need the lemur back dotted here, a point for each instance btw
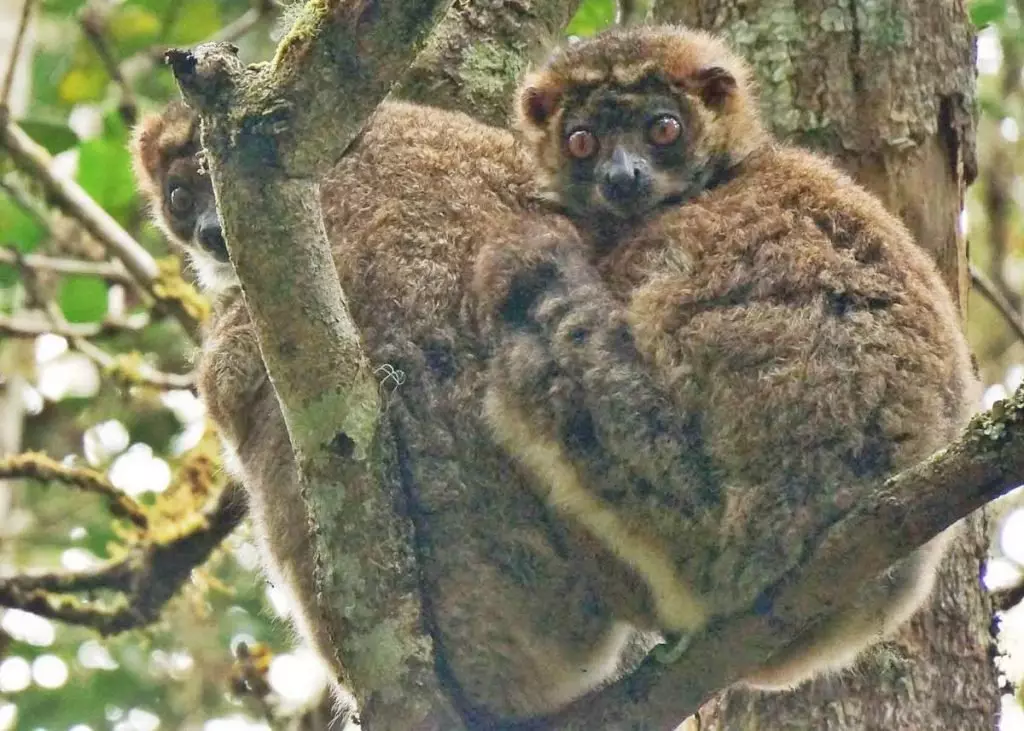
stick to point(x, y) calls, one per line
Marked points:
point(813, 344)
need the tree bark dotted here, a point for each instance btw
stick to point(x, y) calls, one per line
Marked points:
point(887, 90)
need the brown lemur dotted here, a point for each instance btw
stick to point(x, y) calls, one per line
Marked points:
point(808, 342)
point(529, 611)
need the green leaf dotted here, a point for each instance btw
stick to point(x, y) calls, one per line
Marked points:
point(986, 12)
point(105, 172)
point(54, 136)
point(591, 17)
point(83, 84)
point(18, 231)
point(17, 228)
point(83, 298)
point(195, 20)
point(66, 8)
point(47, 66)
point(133, 29)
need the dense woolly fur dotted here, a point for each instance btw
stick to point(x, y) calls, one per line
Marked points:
point(815, 345)
point(517, 604)
point(596, 440)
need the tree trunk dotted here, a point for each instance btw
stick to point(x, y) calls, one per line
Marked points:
point(887, 89)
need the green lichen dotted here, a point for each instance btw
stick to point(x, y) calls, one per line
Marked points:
point(882, 24)
point(171, 288)
point(305, 27)
point(353, 411)
point(490, 72)
point(378, 658)
point(766, 39)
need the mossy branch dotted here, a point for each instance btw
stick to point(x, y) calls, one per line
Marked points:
point(269, 130)
point(144, 579)
point(36, 466)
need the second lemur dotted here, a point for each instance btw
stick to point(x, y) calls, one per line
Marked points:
point(810, 342)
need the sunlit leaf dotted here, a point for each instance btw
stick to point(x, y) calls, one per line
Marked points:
point(82, 85)
point(83, 298)
point(104, 171)
point(985, 12)
point(592, 16)
point(195, 20)
point(54, 136)
point(133, 28)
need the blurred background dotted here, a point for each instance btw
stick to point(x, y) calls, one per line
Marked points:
point(91, 378)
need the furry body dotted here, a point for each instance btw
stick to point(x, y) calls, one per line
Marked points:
point(808, 344)
point(522, 620)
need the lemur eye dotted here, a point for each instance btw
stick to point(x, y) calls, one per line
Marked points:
point(181, 201)
point(581, 144)
point(664, 130)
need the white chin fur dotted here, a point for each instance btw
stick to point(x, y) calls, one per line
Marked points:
point(215, 277)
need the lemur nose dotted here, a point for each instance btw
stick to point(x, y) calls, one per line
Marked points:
point(623, 176)
point(211, 236)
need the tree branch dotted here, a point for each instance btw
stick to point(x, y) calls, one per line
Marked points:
point(476, 57)
point(147, 577)
point(27, 325)
point(40, 467)
point(988, 289)
point(15, 55)
point(111, 271)
point(300, 113)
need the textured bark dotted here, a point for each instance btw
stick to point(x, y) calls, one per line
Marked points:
point(475, 58)
point(887, 89)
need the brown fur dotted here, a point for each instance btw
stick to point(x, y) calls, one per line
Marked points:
point(516, 598)
point(812, 345)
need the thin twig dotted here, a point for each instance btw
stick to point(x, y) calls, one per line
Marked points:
point(20, 197)
point(112, 271)
point(30, 324)
point(40, 467)
point(149, 575)
point(1003, 601)
point(32, 159)
point(244, 23)
point(94, 27)
point(128, 368)
point(19, 39)
point(132, 369)
point(987, 289)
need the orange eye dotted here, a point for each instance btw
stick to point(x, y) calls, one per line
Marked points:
point(581, 144)
point(664, 131)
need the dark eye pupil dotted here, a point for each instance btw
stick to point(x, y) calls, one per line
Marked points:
point(181, 200)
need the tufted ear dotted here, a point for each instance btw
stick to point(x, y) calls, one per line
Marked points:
point(714, 85)
point(539, 96)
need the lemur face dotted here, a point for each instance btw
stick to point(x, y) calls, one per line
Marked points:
point(167, 155)
point(625, 153)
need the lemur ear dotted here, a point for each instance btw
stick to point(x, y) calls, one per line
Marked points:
point(539, 96)
point(714, 85)
point(145, 149)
